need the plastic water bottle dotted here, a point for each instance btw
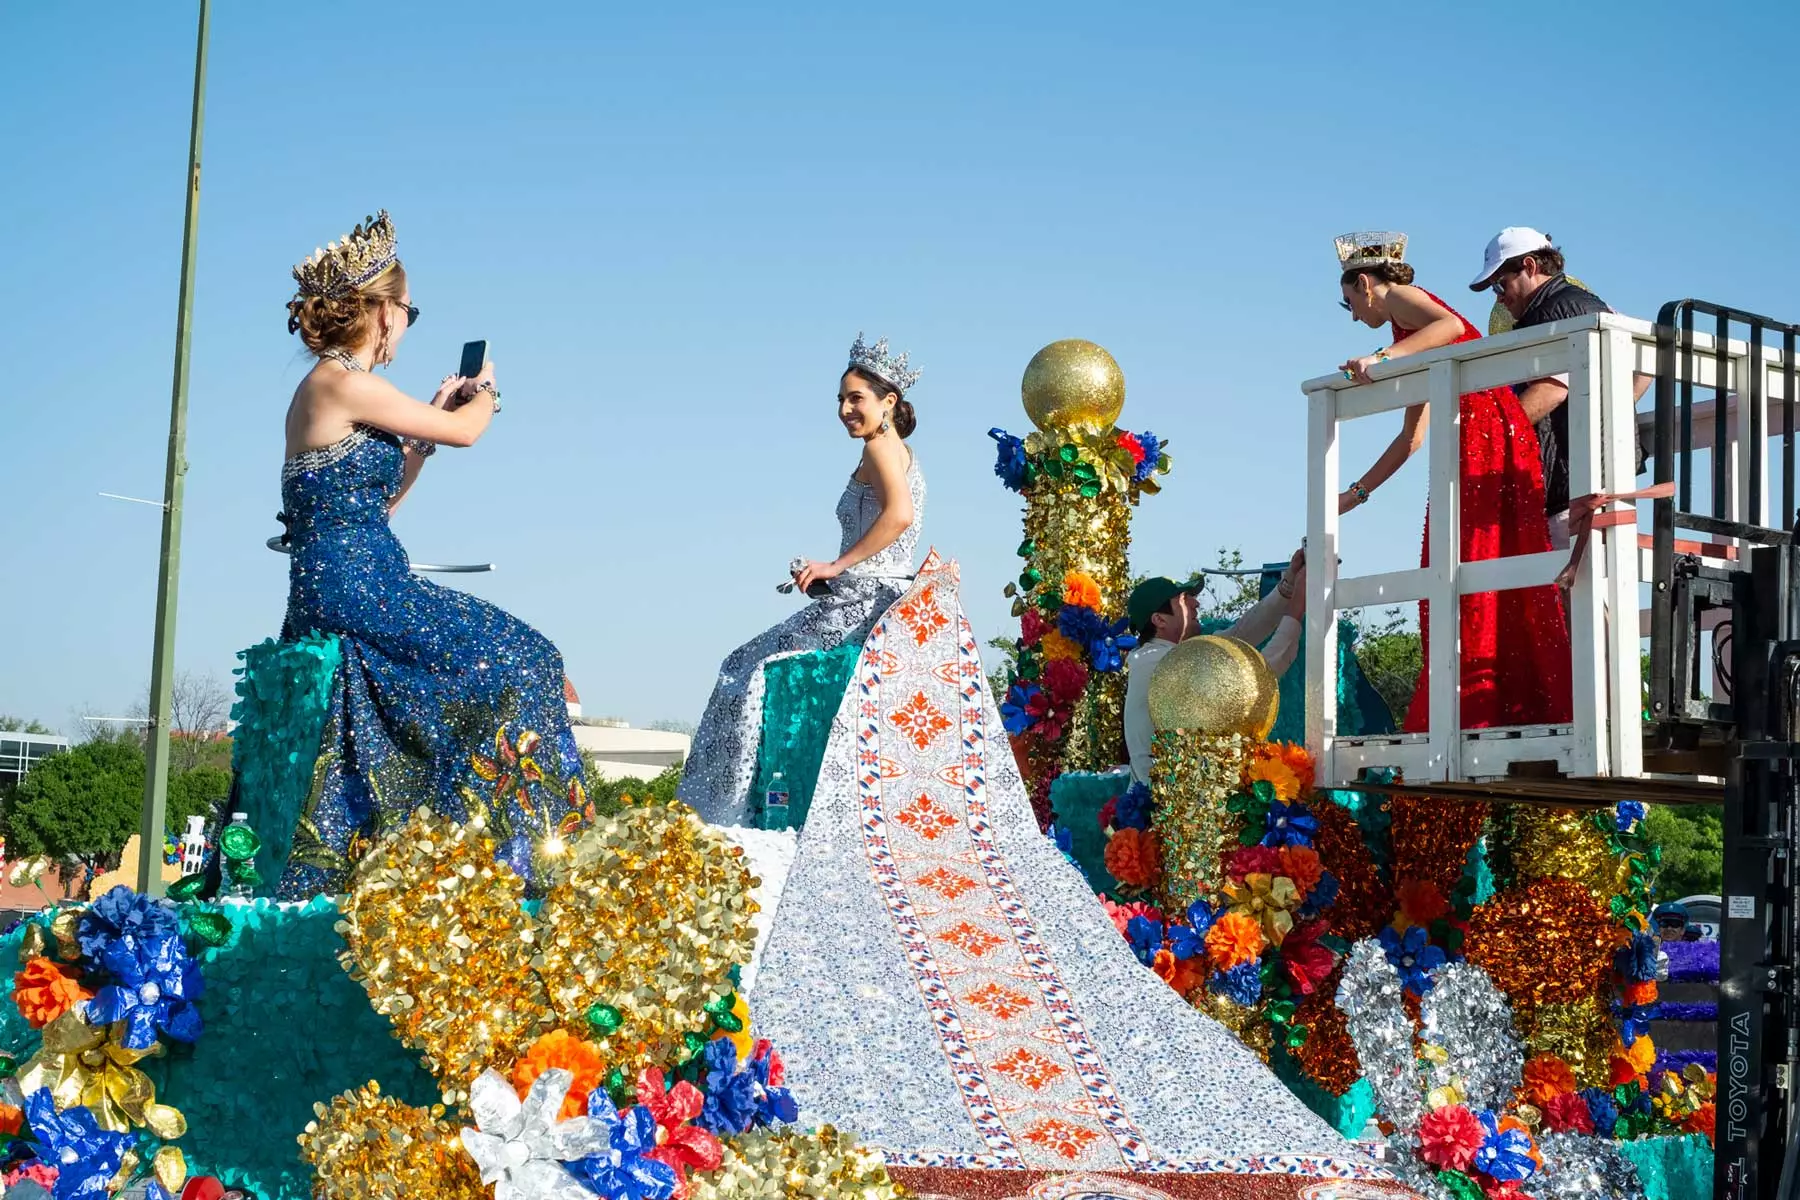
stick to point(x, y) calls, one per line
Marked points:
point(775, 804)
point(1372, 1141)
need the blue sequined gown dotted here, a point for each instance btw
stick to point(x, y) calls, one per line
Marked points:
point(442, 699)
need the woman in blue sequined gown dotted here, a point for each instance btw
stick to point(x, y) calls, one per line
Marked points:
point(879, 516)
point(441, 699)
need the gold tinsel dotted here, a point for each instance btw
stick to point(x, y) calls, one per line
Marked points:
point(1247, 1023)
point(1192, 775)
point(366, 1146)
point(650, 916)
point(1545, 942)
point(1564, 843)
point(787, 1164)
point(436, 935)
point(1581, 1034)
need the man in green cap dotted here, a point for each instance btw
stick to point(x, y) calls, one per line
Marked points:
point(1164, 613)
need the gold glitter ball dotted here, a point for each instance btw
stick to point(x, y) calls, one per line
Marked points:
point(1073, 384)
point(1214, 684)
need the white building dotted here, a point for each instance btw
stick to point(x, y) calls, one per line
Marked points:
point(620, 752)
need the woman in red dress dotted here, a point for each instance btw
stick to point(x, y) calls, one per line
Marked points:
point(1515, 644)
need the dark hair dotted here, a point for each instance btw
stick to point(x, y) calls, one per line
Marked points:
point(1387, 272)
point(905, 420)
point(344, 321)
point(1549, 261)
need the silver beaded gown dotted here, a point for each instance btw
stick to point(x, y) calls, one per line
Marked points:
point(940, 979)
point(721, 766)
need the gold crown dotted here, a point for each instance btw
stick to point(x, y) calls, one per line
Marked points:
point(1370, 249)
point(341, 268)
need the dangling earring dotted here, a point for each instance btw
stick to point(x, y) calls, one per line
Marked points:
point(382, 357)
point(886, 424)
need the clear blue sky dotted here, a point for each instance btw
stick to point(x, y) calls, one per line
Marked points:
point(670, 220)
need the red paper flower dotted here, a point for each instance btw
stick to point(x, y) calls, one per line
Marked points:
point(1567, 1113)
point(1108, 811)
point(1503, 1189)
point(1254, 860)
point(1421, 902)
point(1063, 680)
point(678, 1144)
point(1031, 627)
point(1129, 443)
point(1449, 1137)
point(1121, 914)
point(1307, 963)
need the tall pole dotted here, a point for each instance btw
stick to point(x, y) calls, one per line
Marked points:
point(162, 661)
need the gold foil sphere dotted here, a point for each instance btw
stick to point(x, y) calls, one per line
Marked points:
point(1073, 384)
point(1215, 685)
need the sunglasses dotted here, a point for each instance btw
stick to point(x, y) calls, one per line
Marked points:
point(412, 314)
point(1345, 305)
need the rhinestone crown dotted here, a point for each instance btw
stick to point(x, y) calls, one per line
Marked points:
point(342, 267)
point(891, 369)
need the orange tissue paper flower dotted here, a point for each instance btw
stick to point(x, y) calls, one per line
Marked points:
point(1701, 1120)
point(1642, 1055)
point(1182, 974)
point(45, 991)
point(560, 1048)
point(1546, 1077)
point(1299, 762)
point(1301, 864)
point(1080, 588)
point(1134, 857)
point(1642, 992)
point(1268, 765)
point(1235, 939)
point(12, 1119)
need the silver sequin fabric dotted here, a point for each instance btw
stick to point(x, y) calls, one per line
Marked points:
point(893, 989)
point(721, 766)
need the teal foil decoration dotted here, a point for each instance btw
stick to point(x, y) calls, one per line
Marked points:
point(1347, 1113)
point(1076, 798)
point(284, 692)
point(1672, 1168)
point(801, 695)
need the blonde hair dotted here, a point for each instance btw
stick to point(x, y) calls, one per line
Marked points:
point(341, 322)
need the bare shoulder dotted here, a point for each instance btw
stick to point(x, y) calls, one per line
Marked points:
point(1414, 304)
point(326, 405)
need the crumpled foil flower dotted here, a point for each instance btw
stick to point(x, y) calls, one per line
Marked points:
point(153, 988)
point(88, 1066)
point(1506, 1151)
point(1468, 1016)
point(676, 1144)
point(521, 1147)
point(1369, 994)
point(124, 915)
point(1289, 825)
point(1413, 956)
point(1268, 900)
point(86, 1157)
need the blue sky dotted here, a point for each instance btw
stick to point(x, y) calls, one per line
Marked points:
point(670, 220)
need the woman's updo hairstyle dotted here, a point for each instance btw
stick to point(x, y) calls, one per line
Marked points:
point(342, 322)
point(1387, 272)
point(905, 419)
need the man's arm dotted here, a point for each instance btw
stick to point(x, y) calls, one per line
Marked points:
point(1256, 625)
point(1541, 397)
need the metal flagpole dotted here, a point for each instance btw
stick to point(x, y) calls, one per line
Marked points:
point(162, 662)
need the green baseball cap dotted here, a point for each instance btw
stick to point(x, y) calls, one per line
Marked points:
point(1149, 597)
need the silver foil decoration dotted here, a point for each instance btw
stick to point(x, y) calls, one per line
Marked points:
point(1375, 1017)
point(1580, 1167)
point(1466, 1015)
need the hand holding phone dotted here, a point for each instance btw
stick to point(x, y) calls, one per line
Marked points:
point(473, 369)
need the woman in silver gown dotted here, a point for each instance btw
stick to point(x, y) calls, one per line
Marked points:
point(880, 513)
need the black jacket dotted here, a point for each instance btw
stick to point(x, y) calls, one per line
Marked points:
point(1557, 300)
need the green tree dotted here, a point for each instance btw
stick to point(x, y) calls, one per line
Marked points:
point(1391, 655)
point(81, 806)
point(1692, 837)
point(607, 794)
point(9, 724)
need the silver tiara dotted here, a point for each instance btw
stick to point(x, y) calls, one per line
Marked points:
point(891, 369)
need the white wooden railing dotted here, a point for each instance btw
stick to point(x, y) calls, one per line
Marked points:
point(1600, 354)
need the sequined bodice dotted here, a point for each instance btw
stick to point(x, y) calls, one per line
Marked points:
point(349, 482)
point(856, 511)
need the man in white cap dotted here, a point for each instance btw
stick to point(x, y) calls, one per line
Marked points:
point(1525, 271)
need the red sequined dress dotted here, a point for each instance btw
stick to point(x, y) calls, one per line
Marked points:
point(1515, 644)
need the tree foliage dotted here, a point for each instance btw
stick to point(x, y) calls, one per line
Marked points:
point(1391, 656)
point(11, 724)
point(81, 806)
point(608, 795)
point(1692, 837)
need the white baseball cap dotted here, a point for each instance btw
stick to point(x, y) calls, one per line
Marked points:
point(1510, 242)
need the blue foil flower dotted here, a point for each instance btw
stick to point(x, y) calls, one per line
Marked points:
point(1601, 1108)
point(622, 1172)
point(1413, 956)
point(85, 1156)
point(1322, 897)
point(1146, 938)
point(1241, 985)
point(123, 914)
point(1014, 713)
point(1505, 1154)
point(773, 1101)
point(1081, 625)
point(1010, 463)
point(1201, 916)
point(730, 1093)
point(153, 989)
point(1064, 840)
point(1628, 814)
point(1638, 960)
point(1133, 809)
point(1152, 451)
point(1289, 825)
point(1107, 651)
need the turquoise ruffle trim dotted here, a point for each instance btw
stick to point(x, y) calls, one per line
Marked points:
point(801, 695)
point(284, 692)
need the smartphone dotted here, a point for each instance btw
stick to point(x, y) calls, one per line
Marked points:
point(474, 358)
